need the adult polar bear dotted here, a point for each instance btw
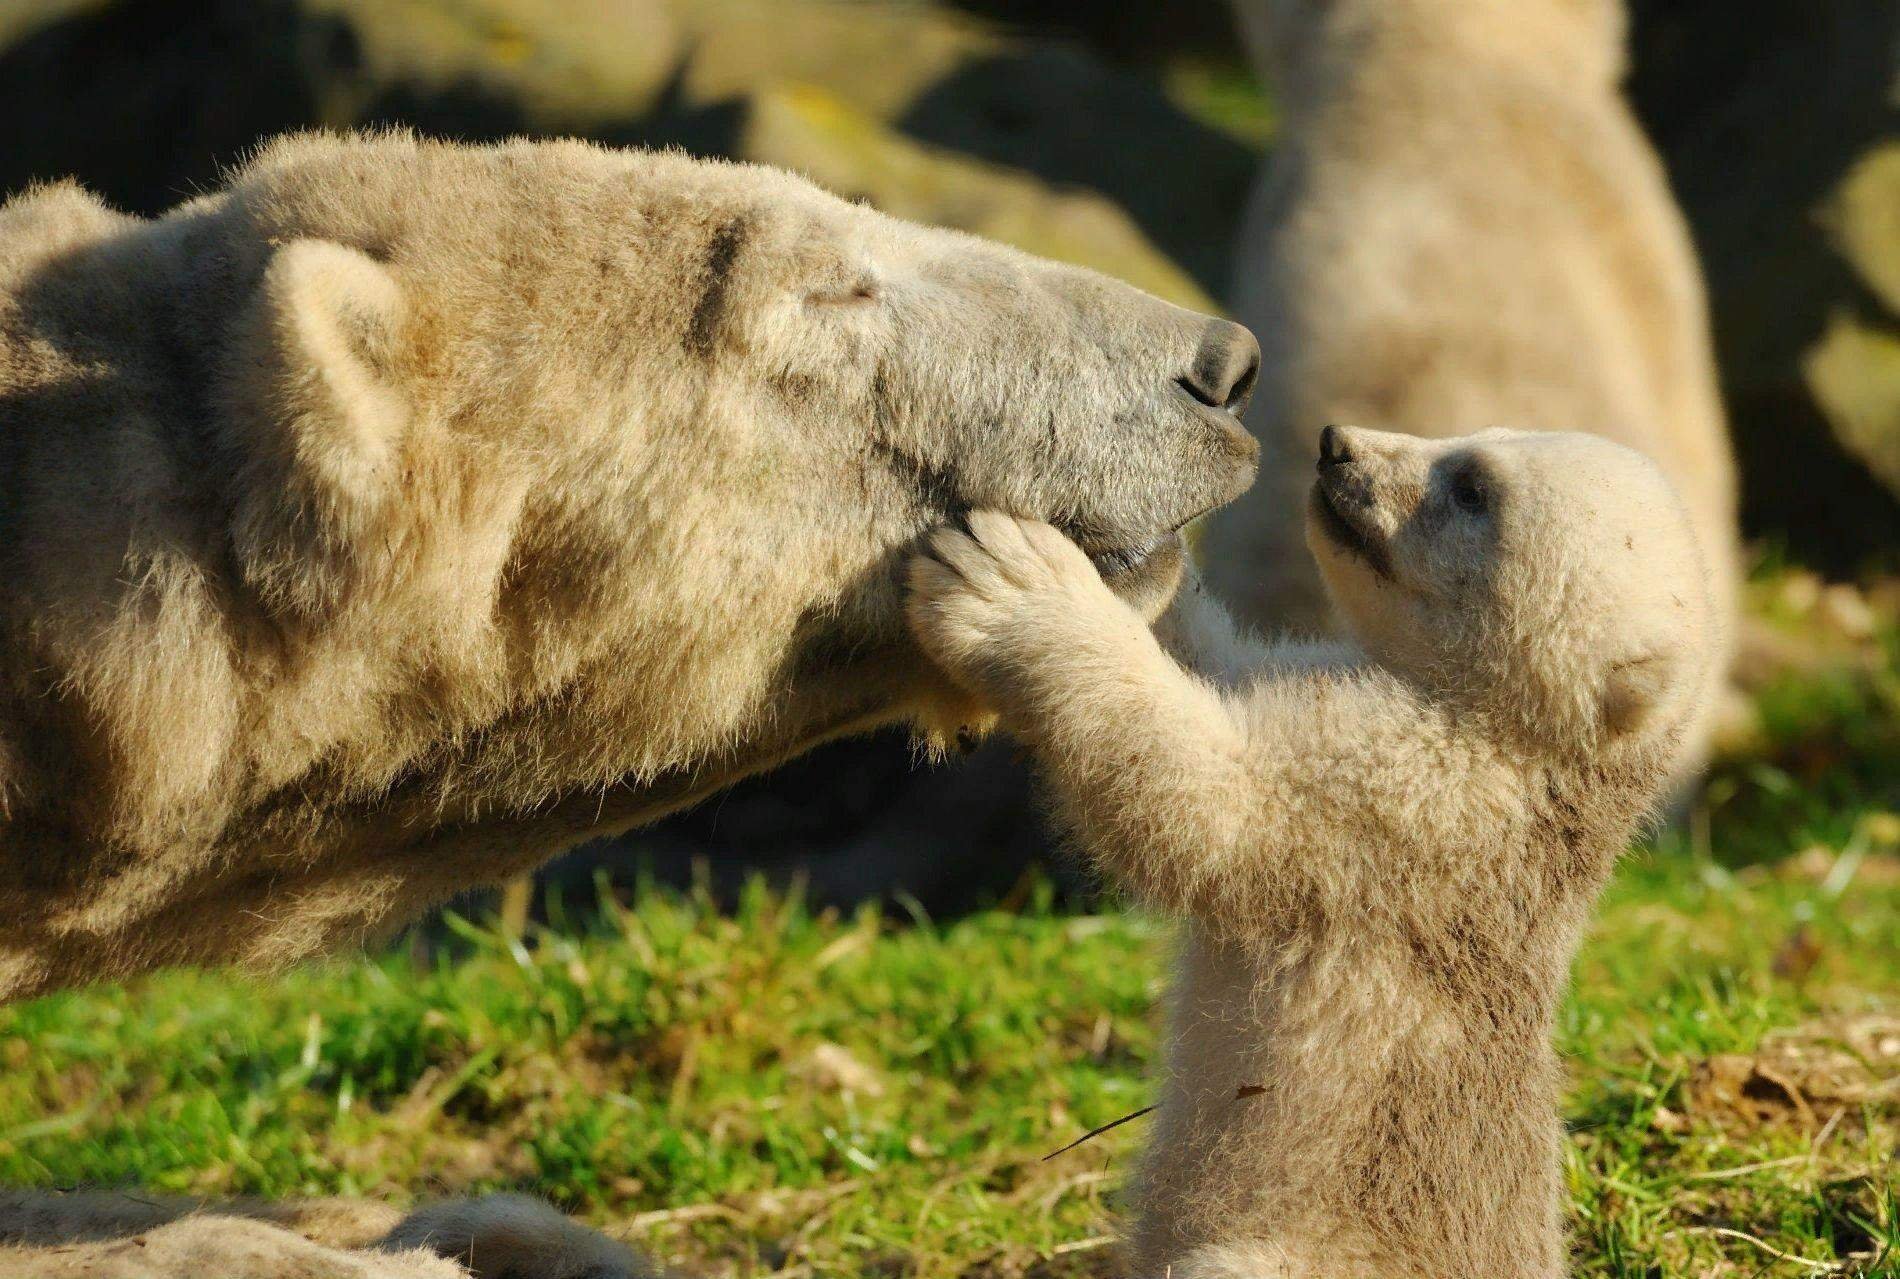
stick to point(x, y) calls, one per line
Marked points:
point(403, 513)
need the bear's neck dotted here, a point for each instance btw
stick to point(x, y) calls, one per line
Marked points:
point(1337, 51)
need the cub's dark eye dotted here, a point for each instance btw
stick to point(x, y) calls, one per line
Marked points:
point(1468, 492)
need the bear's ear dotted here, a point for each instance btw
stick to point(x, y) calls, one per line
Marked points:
point(1634, 690)
point(332, 317)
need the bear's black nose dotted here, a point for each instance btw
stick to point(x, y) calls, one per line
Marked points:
point(1225, 368)
point(1333, 449)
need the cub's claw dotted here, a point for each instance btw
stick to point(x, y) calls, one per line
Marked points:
point(983, 597)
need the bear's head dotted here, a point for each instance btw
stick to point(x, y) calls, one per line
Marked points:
point(1551, 581)
point(670, 427)
point(954, 374)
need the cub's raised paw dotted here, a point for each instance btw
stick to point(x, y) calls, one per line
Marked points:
point(989, 597)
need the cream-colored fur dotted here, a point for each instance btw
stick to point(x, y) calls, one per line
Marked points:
point(1462, 223)
point(402, 513)
point(211, 1247)
point(32, 1217)
point(103, 1235)
point(1384, 856)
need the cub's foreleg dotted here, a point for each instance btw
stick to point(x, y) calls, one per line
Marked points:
point(1295, 791)
point(1145, 758)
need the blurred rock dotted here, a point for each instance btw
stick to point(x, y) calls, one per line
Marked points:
point(1050, 109)
point(1058, 112)
point(817, 133)
point(1139, 34)
point(1047, 108)
point(1847, 612)
point(1854, 370)
point(1865, 218)
point(1854, 374)
point(1759, 123)
point(144, 100)
point(563, 65)
point(876, 57)
point(21, 19)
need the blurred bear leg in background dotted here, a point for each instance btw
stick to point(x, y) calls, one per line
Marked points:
point(1462, 223)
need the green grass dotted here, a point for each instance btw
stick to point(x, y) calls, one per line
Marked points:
point(674, 1073)
point(672, 1057)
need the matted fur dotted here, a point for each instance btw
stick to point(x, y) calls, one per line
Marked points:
point(403, 513)
point(1461, 223)
point(209, 1247)
point(1384, 857)
point(106, 1235)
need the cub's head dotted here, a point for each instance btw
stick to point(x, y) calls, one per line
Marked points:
point(1552, 580)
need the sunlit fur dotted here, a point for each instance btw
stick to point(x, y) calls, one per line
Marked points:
point(198, 1246)
point(107, 1235)
point(1383, 855)
point(1461, 225)
point(402, 513)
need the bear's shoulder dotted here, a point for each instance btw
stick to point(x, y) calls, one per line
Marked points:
point(51, 220)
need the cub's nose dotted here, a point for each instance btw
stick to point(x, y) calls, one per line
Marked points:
point(1225, 368)
point(1333, 449)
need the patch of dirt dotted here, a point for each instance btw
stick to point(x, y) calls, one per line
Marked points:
point(1814, 1075)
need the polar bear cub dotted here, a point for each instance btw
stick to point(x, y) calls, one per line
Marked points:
point(1384, 854)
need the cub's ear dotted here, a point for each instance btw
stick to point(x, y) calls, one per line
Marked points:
point(329, 320)
point(1635, 690)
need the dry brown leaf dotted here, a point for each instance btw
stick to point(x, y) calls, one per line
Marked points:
point(1805, 1076)
point(831, 1068)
